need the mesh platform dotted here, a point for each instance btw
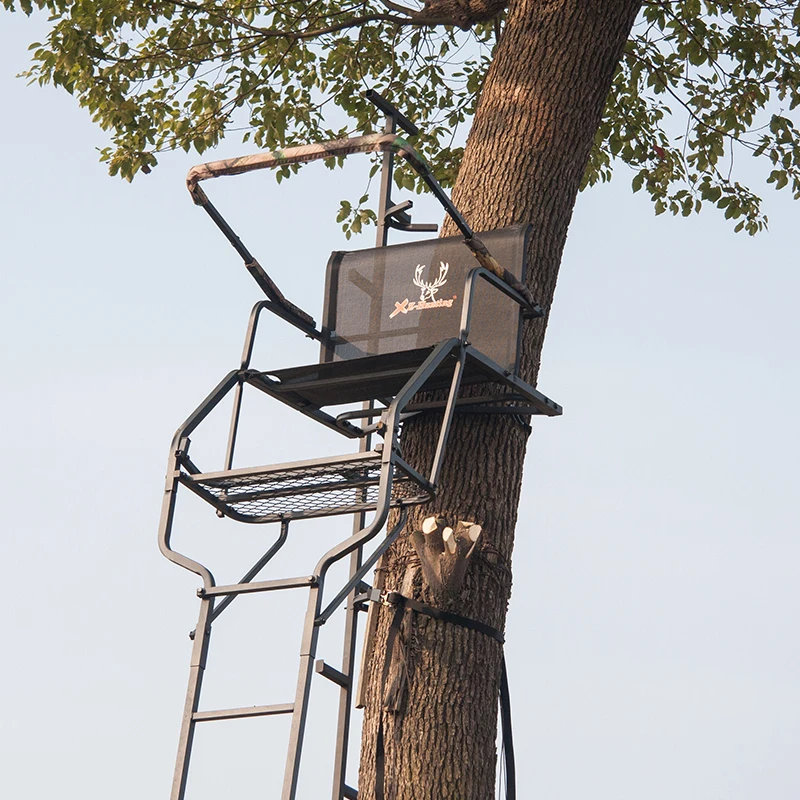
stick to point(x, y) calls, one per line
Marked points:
point(305, 489)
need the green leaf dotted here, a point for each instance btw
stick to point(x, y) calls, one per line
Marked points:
point(697, 87)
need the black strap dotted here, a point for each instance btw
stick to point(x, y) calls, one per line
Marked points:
point(380, 756)
point(399, 600)
point(401, 605)
point(508, 738)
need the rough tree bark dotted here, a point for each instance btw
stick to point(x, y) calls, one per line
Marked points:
point(539, 109)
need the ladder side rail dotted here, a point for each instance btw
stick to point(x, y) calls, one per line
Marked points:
point(312, 626)
point(179, 447)
point(343, 718)
point(165, 527)
point(313, 621)
point(197, 668)
point(202, 632)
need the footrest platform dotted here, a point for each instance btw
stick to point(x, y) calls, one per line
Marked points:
point(318, 488)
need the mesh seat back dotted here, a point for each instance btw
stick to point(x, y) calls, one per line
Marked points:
point(407, 296)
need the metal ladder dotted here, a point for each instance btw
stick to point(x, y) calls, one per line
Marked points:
point(215, 599)
point(358, 474)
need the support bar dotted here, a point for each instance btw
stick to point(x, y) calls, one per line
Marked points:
point(256, 568)
point(355, 580)
point(384, 105)
point(239, 713)
point(338, 148)
point(331, 673)
point(259, 586)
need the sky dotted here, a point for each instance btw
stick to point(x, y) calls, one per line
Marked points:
point(652, 635)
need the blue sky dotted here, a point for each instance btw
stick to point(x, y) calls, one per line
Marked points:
point(651, 641)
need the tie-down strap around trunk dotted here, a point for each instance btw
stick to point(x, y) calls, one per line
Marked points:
point(401, 604)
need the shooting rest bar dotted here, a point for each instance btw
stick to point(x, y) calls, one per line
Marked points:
point(338, 148)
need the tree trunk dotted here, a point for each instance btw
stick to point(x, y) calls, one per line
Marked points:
point(539, 109)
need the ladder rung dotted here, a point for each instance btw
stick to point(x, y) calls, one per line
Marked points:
point(350, 793)
point(331, 673)
point(248, 711)
point(259, 586)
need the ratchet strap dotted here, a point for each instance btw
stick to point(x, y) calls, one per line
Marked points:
point(401, 604)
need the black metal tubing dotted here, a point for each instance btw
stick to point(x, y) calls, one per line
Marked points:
point(233, 430)
point(397, 217)
point(388, 459)
point(197, 667)
point(247, 354)
point(331, 673)
point(389, 110)
point(366, 566)
point(361, 413)
point(544, 404)
point(256, 568)
point(291, 313)
point(229, 233)
point(469, 296)
point(270, 387)
point(411, 472)
point(389, 143)
point(444, 431)
point(280, 311)
point(178, 448)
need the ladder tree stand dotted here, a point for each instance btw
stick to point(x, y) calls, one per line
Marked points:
point(376, 367)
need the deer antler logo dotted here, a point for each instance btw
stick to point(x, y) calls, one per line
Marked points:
point(428, 289)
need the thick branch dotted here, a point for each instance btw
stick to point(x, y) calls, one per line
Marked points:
point(464, 13)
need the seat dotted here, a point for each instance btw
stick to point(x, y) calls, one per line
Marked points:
point(387, 308)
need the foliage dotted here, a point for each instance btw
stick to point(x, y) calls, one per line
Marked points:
point(699, 81)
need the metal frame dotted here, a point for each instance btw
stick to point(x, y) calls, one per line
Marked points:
point(386, 458)
point(182, 472)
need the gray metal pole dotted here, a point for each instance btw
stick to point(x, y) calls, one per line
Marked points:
point(351, 614)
